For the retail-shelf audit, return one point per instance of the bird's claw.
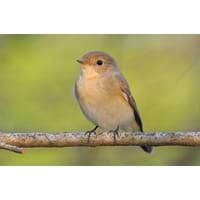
(89, 133)
(115, 133)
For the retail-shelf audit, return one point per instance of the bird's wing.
(126, 94)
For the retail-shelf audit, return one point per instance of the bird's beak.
(80, 61)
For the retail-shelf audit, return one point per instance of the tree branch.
(15, 141)
(11, 148)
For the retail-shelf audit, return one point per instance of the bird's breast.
(103, 104)
(91, 91)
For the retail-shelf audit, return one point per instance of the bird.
(104, 96)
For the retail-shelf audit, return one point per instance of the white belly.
(109, 115)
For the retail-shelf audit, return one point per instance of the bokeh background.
(37, 74)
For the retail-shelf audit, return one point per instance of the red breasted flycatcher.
(104, 95)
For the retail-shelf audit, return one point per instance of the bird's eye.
(99, 62)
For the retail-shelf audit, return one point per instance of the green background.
(37, 74)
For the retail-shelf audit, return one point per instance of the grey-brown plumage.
(104, 95)
(133, 105)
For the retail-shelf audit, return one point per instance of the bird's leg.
(115, 133)
(89, 133)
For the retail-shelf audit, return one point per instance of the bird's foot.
(89, 133)
(115, 133)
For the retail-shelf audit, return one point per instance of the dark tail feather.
(147, 148)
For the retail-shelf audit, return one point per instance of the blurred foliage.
(37, 74)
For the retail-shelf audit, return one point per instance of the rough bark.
(16, 141)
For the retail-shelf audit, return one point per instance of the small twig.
(11, 148)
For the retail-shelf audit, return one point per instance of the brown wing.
(128, 97)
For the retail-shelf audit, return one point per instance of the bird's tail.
(147, 148)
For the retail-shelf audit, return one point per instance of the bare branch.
(15, 141)
(11, 148)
